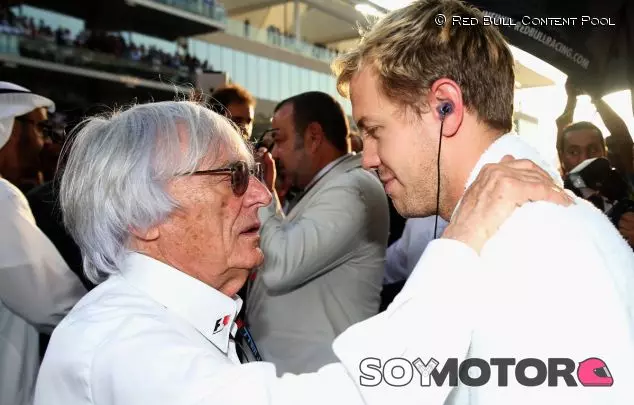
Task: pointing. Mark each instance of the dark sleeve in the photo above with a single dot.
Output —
(48, 217)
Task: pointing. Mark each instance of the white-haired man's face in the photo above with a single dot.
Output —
(214, 235)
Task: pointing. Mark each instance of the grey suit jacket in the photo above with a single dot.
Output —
(323, 269)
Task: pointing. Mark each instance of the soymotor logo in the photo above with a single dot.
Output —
(530, 372)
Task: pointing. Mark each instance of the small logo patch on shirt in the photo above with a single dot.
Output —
(221, 323)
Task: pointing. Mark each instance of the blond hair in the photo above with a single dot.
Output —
(409, 51)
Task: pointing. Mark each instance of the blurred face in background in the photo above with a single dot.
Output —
(282, 183)
(32, 137)
(293, 159)
(242, 114)
(580, 145)
(22, 157)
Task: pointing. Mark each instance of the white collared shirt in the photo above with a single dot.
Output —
(326, 169)
(146, 336)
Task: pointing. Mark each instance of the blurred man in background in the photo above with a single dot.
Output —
(236, 103)
(324, 258)
(618, 147)
(37, 289)
(580, 141)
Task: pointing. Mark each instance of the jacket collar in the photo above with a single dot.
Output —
(326, 169)
(206, 309)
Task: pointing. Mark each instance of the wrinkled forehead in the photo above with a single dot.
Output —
(232, 150)
(202, 150)
(239, 150)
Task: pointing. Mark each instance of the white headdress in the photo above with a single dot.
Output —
(14, 102)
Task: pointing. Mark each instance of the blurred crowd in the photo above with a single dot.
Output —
(104, 42)
(276, 36)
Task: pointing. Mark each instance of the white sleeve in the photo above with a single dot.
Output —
(35, 281)
(422, 322)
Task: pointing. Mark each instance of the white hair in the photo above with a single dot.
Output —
(118, 168)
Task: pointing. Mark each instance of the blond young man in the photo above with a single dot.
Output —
(435, 104)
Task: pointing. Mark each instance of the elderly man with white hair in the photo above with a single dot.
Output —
(163, 201)
(37, 289)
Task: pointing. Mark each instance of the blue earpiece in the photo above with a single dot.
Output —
(445, 109)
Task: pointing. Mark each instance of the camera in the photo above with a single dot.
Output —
(596, 181)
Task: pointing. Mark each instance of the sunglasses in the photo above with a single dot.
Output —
(240, 175)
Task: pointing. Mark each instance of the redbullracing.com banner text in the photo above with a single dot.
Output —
(475, 372)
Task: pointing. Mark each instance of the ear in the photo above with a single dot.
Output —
(442, 91)
(314, 137)
(147, 235)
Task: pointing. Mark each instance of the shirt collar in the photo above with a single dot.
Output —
(326, 169)
(510, 144)
(205, 308)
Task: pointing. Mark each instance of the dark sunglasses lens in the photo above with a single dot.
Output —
(240, 178)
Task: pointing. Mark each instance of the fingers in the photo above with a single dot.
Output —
(495, 194)
(515, 183)
(628, 217)
(519, 169)
(626, 223)
(525, 186)
(268, 162)
(626, 227)
(525, 164)
(270, 173)
(544, 192)
(259, 154)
